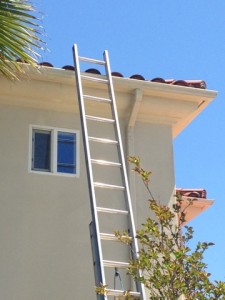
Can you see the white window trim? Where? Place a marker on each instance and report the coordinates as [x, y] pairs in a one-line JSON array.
[[54, 131]]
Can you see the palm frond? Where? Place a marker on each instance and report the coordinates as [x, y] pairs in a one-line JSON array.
[[20, 36]]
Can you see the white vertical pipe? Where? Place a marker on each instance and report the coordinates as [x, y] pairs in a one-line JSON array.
[[131, 149], [130, 143]]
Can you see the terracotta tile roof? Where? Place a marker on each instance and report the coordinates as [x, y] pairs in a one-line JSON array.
[[195, 193], [188, 83]]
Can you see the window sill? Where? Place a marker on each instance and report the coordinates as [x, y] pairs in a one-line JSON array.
[[54, 174]]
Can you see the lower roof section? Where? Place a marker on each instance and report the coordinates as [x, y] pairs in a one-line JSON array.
[[199, 202]]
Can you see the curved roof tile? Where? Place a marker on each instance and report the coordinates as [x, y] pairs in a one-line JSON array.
[[137, 76], [68, 67], [196, 193], [117, 74], [46, 64]]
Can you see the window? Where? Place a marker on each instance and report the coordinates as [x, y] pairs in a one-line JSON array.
[[41, 160], [66, 158], [54, 150]]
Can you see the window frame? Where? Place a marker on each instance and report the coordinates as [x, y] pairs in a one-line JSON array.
[[53, 150]]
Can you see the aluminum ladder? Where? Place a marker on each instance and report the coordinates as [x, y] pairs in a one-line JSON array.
[[108, 200]]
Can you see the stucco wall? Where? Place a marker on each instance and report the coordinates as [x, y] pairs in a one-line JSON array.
[[153, 143], [45, 248], [44, 235]]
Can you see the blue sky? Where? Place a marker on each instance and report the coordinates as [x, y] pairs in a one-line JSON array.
[[169, 39]]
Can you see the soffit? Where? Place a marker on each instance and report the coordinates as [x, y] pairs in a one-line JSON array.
[[198, 206]]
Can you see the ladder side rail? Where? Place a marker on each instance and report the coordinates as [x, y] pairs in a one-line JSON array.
[[88, 162], [95, 257], [120, 145], [125, 178]]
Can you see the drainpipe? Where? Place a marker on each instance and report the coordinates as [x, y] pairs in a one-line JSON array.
[[131, 151], [130, 144]]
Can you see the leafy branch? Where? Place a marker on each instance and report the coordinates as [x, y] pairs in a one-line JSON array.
[[170, 269]]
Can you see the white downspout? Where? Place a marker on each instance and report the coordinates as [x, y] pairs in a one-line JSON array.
[[130, 144], [131, 151]]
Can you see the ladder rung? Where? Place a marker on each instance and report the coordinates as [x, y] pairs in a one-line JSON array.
[[108, 186], [99, 99], [115, 264], [120, 293], [92, 78], [112, 237], [92, 60], [100, 140], [98, 119], [112, 211], [108, 237], [105, 163]]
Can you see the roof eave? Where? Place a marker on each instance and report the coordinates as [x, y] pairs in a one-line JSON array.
[[162, 103]]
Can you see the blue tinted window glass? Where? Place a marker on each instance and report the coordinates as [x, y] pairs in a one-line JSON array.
[[41, 150], [66, 160]]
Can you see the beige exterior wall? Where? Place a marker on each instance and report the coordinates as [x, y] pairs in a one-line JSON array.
[[44, 236], [45, 248], [153, 143], [45, 245]]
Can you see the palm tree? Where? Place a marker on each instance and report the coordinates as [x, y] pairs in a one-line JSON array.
[[19, 36]]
